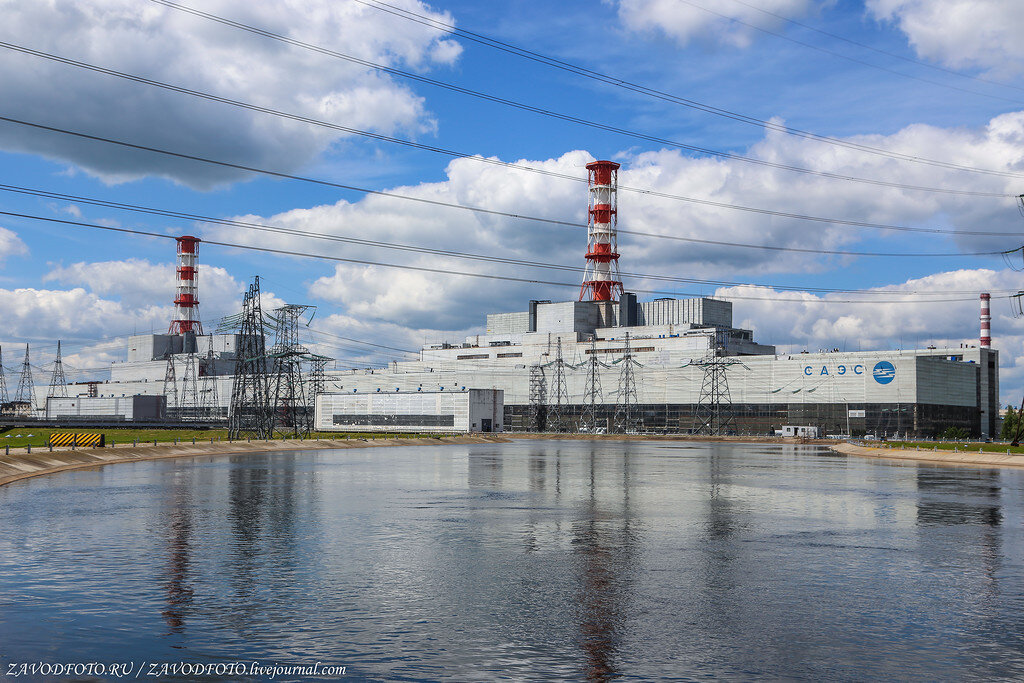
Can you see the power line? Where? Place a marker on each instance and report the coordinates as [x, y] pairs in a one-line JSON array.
[[723, 205], [611, 80], [477, 257], [880, 51], [594, 124], [433, 202], [441, 271], [539, 110], [846, 57]]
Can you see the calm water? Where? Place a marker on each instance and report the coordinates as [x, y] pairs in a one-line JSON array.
[[530, 560]]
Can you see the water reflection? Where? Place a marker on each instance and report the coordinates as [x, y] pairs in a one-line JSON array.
[[530, 560], [604, 544], [178, 513]]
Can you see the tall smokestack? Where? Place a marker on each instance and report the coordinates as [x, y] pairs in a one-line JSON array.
[[986, 321], [186, 301], [601, 277]]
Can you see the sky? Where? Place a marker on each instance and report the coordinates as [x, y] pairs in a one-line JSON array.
[[753, 136]]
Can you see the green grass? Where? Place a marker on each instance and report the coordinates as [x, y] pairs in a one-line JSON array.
[[972, 446], [21, 436]]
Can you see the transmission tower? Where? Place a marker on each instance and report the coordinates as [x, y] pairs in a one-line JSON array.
[[249, 415], [290, 414], [209, 400], [317, 382], [171, 386], [59, 382], [189, 408], [714, 414], [538, 398], [626, 419], [3, 381], [592, 396], [557, 417], [25, 394]]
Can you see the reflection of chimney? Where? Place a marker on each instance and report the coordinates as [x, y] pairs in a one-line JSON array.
[[986, 322]]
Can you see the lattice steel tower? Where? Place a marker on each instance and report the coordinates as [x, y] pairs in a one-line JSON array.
[[557, 417], [592, 396], [714, 414], [290, 413], [209, 402], [189, 409], [250, 404], [58, 382], [25, 384], [538, 398], [626, 418], [171, 386], [3, 381]]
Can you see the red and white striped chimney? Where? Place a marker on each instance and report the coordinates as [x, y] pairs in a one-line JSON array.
[[986, 321], [186, 301], [601, 278]]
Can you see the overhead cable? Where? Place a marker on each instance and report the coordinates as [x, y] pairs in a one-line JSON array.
[[594, 124], [545, 112], [532, 263], [908, 298], [604, 78]]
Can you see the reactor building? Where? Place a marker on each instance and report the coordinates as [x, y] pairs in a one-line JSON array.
[[601, 363]]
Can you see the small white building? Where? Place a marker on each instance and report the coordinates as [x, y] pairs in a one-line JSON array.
[[805, 431], [466, 410], [106, 407]]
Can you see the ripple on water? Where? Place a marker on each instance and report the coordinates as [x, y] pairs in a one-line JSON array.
[[554, 560]]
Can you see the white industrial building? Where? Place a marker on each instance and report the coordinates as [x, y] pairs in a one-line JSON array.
[[916, 392], [80, 408], [470, 410]]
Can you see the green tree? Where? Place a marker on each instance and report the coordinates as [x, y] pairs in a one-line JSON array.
[[958, 433], [1009, 424]]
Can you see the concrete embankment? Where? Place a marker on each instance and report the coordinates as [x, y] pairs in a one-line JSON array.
[[968, 458], [22, 465]]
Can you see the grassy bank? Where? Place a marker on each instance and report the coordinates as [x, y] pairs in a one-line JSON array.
[[21, 436]]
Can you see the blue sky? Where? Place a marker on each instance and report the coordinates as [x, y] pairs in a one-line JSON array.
[[949, 89]]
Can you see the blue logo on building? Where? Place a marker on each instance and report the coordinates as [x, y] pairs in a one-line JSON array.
[[884, 372]]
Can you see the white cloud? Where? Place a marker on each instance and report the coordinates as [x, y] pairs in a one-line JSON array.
[[419, 299], [960, 33], [137, 283], [11, 245], [167, 45], [684, 22]]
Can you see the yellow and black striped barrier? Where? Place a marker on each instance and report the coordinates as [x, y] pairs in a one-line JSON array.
[[84, 440]]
